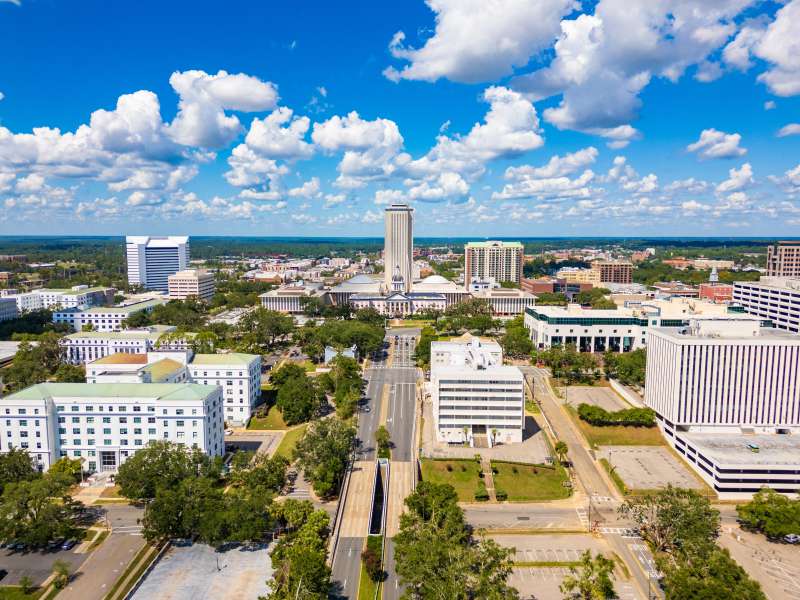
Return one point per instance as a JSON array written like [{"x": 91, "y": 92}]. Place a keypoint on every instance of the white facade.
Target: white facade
[
  {"x": 109, "y": 318},
  {"x": 727, "y": 397},
  {"x": 473, "y": 393},
  {"x": 8, "y": 309},
  {"x": 79, "y": 296},
  {"x": 507, "y": 302},
  {"x": 87, "y": 346},
  {"x": 191, "y": 283},
  {"x": 153, "y": 367},
  {"x": 398, "y": 245},
  {"x": 399, "y": 304},
  {"x": 289, "y": 298},
  {"x": 773, "y": 298},
  {"x": 152, "y": 259},
  {"x": 104, "y": 424},
  {"x": 237, "y": 375}
]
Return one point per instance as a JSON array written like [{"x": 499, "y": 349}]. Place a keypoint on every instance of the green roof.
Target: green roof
[
  {"x": 164, "y": 391},
  {"x": 233, "y": 358},
  {"x": 115, "y": 335},
  {"x": 490, "y": 243}
]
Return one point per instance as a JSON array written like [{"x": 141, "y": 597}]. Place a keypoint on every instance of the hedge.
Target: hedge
[{"x": 632, "y": 417}]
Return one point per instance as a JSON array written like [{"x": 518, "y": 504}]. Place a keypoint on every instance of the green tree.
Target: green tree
[
  {"x": 62, "y": 574},
  {"x": 298, "y": 399},
  {"x": 16, "y": 465},
  {"x": 262, "y": 328},
  {"x": 71, "y": 467},
  {"x": 516, "y": 341},
  {"x": 323, "y": 454},
  {"x": 285, "y": 372},
  {"x": 771, "y": 513},
  {"x": 67, "y": 373},
  {"x": 628, "y": 367},
  {"x": 561, "y": 450},
  {"x": 714, "y": 576},
  {"x": 163, "y": 464},
  {"x": 592, "y": 581},
  {"x": 565, "y": 362},
  {"x": 26, "y": 584},
  {"x": 383, "y": 440}
]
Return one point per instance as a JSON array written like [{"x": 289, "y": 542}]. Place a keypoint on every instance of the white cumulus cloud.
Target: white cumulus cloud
[{"x": 717, "y": 144}]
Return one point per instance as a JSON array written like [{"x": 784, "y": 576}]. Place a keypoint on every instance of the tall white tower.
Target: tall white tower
[
  {"x": 152, "y": 259},
  {"x": 398, "y": 245}
]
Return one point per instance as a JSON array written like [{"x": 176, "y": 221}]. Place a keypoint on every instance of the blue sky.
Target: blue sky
[{"x": 493, "y": 118}]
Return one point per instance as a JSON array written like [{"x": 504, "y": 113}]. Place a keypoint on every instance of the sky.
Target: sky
[{"x": 491, "y": 117}]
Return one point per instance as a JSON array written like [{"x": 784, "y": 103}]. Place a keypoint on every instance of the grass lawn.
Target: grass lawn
[
  {"x": 13, "y": 592},
  {"x": 111, "y": 492},
  {"x": 526, "y": 486},
  {"x": 289, "y": 441},
  {"x": 273, "y": 420},
  {"x": 463, "y": 475},
  {"x": 617, "y": 435}
]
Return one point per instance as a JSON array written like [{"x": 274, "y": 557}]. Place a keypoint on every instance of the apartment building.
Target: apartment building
[
  {"x": 104, "y": 424},
  {"x": 783, "y": 259},
  {"x": 576, "y": 275},
  {"x": 8, "y": 309},
  {"x": 726, "y": 393},
  {"x": 191, "y": 283},
  {"x": 152, "y": 259},
  {"x": 614, "y": 271},
  {"x": 493, "y": 259},
  {"x": 237, "y": 375},
  {"x": 476, "y": 399},
  {"x": 109, "y": 318},
  {"x": 79, "y": 296},
  {"x": 773, "y": 298}
]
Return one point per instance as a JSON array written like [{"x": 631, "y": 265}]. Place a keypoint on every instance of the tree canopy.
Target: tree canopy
[
  {"x": 771, "y": 513},
  {"x": 628, "y": 367},
  {"x": 323, "y": 453}
]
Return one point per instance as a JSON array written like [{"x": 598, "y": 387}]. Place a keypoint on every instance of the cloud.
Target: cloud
[
  {"x": 372, "y": 216},
  {"x": 717, "y": 144},
  {"x": 479, "y": 40},
  {"x": 447, "y": 185},
  {"x": 557, "y": 165},
  {"x": 31, "y": 183},
  {"x": 280, "y": 135},
  {"x": 770, "y": 105},
  {"x": 780, "y": 45},
  {"x": 550, "y": 188},
  {"x": 602, "y": 61},
  {"x": 738, "y": 179},
  {"x": 201, "y": 119},
  {"x": 389, "y": 196},
  {"x": 309, "y": 189},
  {"x": 790, "y": 129}
]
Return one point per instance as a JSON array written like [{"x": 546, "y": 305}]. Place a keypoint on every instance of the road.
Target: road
[{"x": 396, "y": 374}]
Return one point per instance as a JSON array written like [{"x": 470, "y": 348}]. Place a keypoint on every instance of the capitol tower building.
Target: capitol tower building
[{"x": 398, "y": 246}]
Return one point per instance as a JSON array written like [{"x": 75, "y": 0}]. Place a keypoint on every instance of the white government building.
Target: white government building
[
  {"x": 79, "y": 296},
  {"x": 103, "y": 318},
  {"x": 773, "y": 298},
  {"x": 237, "y": 375},
  {"x": 727, "y": 395},
  {"x": 86, "y": 346},
  {"x": 152, "y": 259},
  {"x": 104, "y": 424},
  {"x": 475, "y": 397}
]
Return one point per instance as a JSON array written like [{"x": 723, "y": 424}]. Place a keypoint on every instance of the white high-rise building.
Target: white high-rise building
[
  {"x": 726, "y": 392},
  {"x": 773, "y": 298},
  {"x": 501, "y": 261},
  {"x": 105, "y": 424},
  {"x": 398, "y": 247},
  {"x": 152, "y": 259},
  {"x": 474, "y": 394}
]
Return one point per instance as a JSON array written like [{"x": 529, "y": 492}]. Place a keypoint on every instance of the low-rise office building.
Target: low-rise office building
[
  {"x": 291, "y": 298},
  {"x": 109, "y": 318},
  {"x": 476, "y": 399},
  {"x": 191, "y": 283},
  {"x": 507, "y": 302},
  {"x": 727, "y": 397},
  {"x": 773, "y": 298},
  {"x": 104, "y": 424},
  {"x": 77, "y": 297},
  {"x": 620, "y": 330},
  {"x": 87, "y": 346}
]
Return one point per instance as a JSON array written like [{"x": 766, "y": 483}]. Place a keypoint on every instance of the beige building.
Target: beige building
[
  {"x": 612, "y": 271},
  {"x": 783, "y": 259},
  {"x": 192, "y": 283},
  {"x": 501, "y": 261},
  {"x": 398, "y": 249},
  {"x": 575, "y": 275}
]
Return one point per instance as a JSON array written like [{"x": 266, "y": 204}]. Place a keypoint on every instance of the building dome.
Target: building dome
[{"x": 434, "y": 279}]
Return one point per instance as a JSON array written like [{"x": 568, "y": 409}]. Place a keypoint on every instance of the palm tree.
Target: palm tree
[
  {"x": 561, "y": 450},
  {"x": 61, "y": 572}
]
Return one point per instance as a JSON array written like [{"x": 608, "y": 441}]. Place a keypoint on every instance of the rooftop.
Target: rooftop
[
  {"x": 733, "y": 450},
  {"x": 163, "y": 368},
  {"x": 122, "y": 358},
  {"x": 493, "y": 244},
  {"x": 233, "y": 358},
  {"x": 162, "y": 391}
]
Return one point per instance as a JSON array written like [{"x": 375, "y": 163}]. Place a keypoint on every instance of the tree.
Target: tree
[
  {"x": 437, "y": 557},
  {"x": 260, "y": 473},
  {"x": 714, "y": 576},
  {"x": 298, "y": 399},
  {"x": 16, "y": 465},
  {"x": 67, "y": 373},
  {"x": 383, "y": 440},
  {"x": 262, "y": 328},
  {"x": 285, "y": 372},
  {"x": 71, "y": 467},
  {"x": 628, "y": 367},
  {"x": 26, "y": 584},
  {"x": 565, "y": 362},
  {"x": 163, "y": 464},
  {"x": 372, "y": 563},
  {"x": 771, "y": 513},
  {"x": 516, "y": 342},
  {"x": 323, "y": 453},
  {"x": 561, "y": 450},
  {"x": 674, "y": 520},
  {"x": 38, "y": 510},
  {"x": 422, "y": 351},
  {"x": 592, "y": 581},
  {"x": 61, "y": 572}
]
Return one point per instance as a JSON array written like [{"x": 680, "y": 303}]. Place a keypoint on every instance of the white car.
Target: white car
[{"x": 229, "y": 432}]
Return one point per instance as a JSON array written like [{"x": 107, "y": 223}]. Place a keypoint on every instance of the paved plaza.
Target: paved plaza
[
  {"x": 649, "y": 467},
  {"x": 197, "y": 572}
]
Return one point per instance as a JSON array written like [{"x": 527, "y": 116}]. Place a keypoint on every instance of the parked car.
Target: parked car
[
  {"x": 367, "y": 409},
  {"x": 229, "y": 432},
  {"x": 69, "y": 544},
  {"x": 17, "y": 546},
  {"x": 791, "y": 538},
  {"x": 55, "y": 544}
]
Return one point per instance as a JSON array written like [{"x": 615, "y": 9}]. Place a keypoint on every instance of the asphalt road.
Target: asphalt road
[
  {"x": 392, "y": 590},
  {"x": 347, "y": 568}
]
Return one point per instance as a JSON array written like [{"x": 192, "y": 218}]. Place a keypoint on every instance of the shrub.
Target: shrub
[
  {"x": 481, "y": 494},
  {"x": 631, "y": 417},
  {"x": 514, "y": 470},
  {"x": 449, "y": 468},
  {"x": 372, "y": 564},
  {"x": 463, "y": 469},
  {"x": 500, "y": 494}
]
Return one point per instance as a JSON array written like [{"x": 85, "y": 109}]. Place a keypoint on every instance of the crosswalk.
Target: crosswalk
[
  {"x": 624, "y": 532},
  {"x": 128, "y": 529}
]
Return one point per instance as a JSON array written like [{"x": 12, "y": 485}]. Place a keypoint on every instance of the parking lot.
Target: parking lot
[
  {"x": 775, "y": 566},
  {"x": 649, "y": 467},
  {"x": 604, "y": 397},
  {"x": 36, "y": 565},
  {"x": 197, "y": 572}
]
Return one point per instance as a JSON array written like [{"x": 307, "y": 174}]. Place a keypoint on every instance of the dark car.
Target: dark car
[
  {"x": 17, "y": 546},
  {"x": 55, "y": 544},
  {"x": 68, "y": 545}
]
